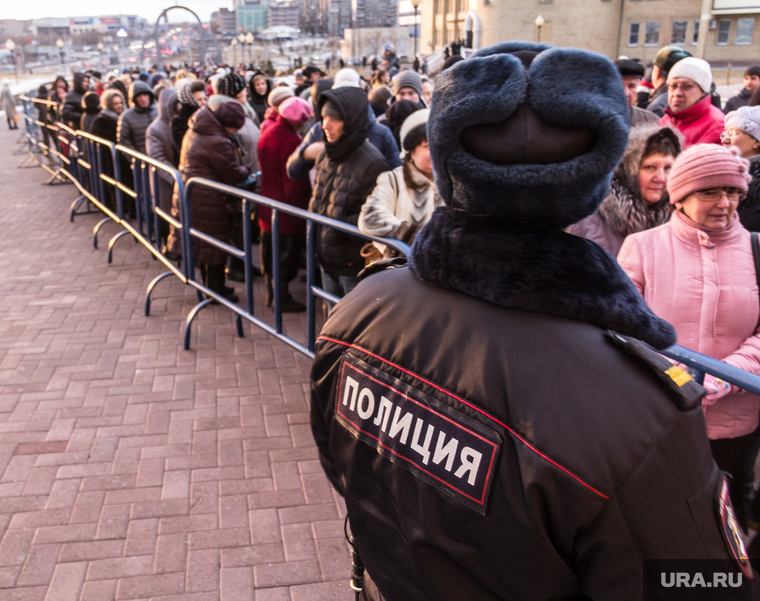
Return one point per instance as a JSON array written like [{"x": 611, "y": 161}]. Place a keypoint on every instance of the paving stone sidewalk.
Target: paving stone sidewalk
[{"x": 131, "y": 468}]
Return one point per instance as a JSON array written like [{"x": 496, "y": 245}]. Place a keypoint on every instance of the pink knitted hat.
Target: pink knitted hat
[
  {"x": 705, "y": 166},
  {"x": 296, "y": 111}
]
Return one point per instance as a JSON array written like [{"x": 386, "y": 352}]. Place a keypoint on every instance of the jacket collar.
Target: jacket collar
[
  {"x": 694, "y": 234},
  {"x": 692, "y": 114},
  {"x": 525, "y": 266}
]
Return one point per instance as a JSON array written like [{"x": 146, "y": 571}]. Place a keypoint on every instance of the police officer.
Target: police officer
[{"x": 490, "y": 414}]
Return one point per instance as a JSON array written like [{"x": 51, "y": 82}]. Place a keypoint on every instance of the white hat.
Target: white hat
[
  {"x": 747, "y": 119},
  {"x": 346, "y": 78},
  {"x": 417, "y": 118},
  {"x": 696, "y": 69}
]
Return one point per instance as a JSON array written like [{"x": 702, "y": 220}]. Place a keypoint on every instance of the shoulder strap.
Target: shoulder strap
[{"x": 756, "y": 255}]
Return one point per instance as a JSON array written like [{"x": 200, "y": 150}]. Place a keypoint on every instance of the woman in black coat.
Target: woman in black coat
[
  {"x": 258, "y": 93},
  {"x": 104, "y": 126}
]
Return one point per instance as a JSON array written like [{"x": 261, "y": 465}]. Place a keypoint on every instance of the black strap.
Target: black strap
[{"x": 756, "y": 255}]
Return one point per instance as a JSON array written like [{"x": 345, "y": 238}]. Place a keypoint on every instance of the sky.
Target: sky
[{"x": 149, "y": 9}]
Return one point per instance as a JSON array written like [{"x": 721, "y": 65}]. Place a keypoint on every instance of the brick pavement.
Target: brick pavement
[{"x": 131, "y": 468}]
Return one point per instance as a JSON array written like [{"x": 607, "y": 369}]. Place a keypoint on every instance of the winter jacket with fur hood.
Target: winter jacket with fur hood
[
  {"x": 207, "y": 151},
  {"x": 749, "y": 208},
  {"x": 160, "y": 145},
  {"x": 134, "y": 122},
  {"x": 624, "y": 211},
  {"x": 703, "y": 282},
  {"x": 346, "y": 173},
  {"x": 701, "y": 123},
  {"x": 491, "y": 349}
]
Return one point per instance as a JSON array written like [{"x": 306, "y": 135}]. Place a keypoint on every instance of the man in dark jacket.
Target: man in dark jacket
[
  {"x": 72, "y": 106},
  {"x": 91, "y": 105},
  {"x": 488, "y": 415},
  {"x": 346, "y": 173},
  {"x": 751, "y": 80},
  {"x": 134, "y": 122}
]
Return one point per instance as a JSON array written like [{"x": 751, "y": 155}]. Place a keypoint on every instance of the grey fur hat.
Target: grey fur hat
[{"x": 574, "y": 101}]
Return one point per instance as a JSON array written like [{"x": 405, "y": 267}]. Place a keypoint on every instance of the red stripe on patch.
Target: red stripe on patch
[{"x": 478, "y": 409}]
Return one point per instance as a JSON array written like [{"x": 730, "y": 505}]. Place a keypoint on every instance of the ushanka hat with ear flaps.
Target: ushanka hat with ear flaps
[{"x": 524, "y": 139}]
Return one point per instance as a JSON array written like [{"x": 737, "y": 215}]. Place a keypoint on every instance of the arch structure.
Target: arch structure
[
  {"x": 472, "y": 33},
  {"x": 201, "y": 29}
]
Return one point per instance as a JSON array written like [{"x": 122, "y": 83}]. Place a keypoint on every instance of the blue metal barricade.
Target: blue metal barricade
[
  {"x": 148, "y": 214},
  {"x": 312, "y": 290}
]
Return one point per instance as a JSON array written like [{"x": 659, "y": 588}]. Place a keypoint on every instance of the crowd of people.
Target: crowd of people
[{"x": 677, "y": 213}]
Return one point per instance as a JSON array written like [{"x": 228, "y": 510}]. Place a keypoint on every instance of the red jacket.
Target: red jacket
[
  {"x": 276, "y": 144},
  {"x": 701, "y": 123}
]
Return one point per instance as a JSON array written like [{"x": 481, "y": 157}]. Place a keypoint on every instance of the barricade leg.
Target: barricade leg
[
  {"x": 191, "y": 317},
  {"x": 113, "y": 241},
  {"x": 151, "y": 286},
  {"x": 96, "y": 229}
]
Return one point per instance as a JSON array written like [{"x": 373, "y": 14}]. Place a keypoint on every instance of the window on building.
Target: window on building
[
  {"x": 724, "y": 28},
  {"x": 678, "y": 33},
  {"x": 633, "y": 34},
  {"x": 695, "y": 33},
  {"x": 744, "y": 30},
  {"x": 652, "y": 34}
]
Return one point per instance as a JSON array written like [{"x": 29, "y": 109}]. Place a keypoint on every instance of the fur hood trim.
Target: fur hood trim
[
  {"x": 627, "y": 172},
  {"x": 565, "y": 87},
  {"x": 627, "y": 213},
  {"x": 534, "y": 268}
]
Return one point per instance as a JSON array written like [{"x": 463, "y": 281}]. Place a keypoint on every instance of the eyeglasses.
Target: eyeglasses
[
  {"x": 685, "y": 87},
  {"x": 731, "y": 133},
  {"x": 716, "y": 194}
]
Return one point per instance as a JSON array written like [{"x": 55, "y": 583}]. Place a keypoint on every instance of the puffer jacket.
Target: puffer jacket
[
  {"x": 624, "y": 211},
  {"x": 72, "y": 110},
  {"x": 160, "y": 145},
  {"x": 134, "y": 122},
  {"x": 346, "y": 172},
  {"x": 703, "y": 282},
  {"x": 207, "y": 151},
  {"x": 701, "y": 123}
]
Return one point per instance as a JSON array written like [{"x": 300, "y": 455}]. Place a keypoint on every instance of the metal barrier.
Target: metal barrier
[
  {"x": 81, "y": 159},
  {"x": 312, "y": 290}
]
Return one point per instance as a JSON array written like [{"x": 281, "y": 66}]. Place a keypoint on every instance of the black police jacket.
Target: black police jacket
[{"x": 495, "y": 453}]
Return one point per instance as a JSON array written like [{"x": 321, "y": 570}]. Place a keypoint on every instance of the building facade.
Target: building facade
[
  {"x": 252, "y": 17},
  {"x": 77, "y": 25},
  {"x": 358, "y": 43},
  {"x": 223, "y": 21},
  {"x": 719, "y": 31},
  {"x": 284, "y": 13},
  {"x": 10, "y": 28}
]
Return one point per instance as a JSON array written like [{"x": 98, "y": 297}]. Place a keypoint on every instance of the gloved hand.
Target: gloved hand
[{"x": 716, "y": 389}]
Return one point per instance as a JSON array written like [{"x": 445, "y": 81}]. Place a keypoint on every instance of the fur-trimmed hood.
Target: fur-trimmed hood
[{"x": 627, "y": 172}]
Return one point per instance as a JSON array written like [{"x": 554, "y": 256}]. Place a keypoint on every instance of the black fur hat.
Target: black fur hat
[{"x": 574, "y": 98}]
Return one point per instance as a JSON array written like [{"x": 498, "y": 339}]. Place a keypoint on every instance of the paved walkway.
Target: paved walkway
[{"x": 131, "y": 468}]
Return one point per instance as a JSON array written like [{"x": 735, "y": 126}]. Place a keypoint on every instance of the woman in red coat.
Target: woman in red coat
[{"x": 276, "y": 144}]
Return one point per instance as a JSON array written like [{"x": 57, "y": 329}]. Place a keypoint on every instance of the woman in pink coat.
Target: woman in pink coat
[{"x": 697, "y": 271}]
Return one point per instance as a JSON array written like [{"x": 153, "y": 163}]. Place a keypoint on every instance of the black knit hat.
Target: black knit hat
[{"x": 231, "y": 85}]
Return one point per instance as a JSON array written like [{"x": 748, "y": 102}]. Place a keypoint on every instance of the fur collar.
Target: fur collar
[
  {"x": 526, "y": 266},
  {"x": 627, "y": 213}
]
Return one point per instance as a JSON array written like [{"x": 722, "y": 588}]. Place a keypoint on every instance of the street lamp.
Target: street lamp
[
  {"x": 233, "y": 43},
  {"x": 59, "y": 43},
  {"x": 416, "y": 5},
  {"x": 11, "y": 45},
  {"x": 539, "y": 24},
  {"x": 241, "y": 39},
  {"x": 249, "y": 41}
]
